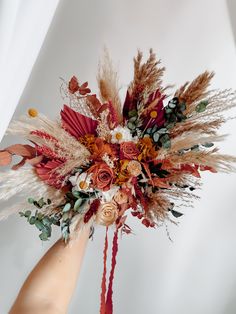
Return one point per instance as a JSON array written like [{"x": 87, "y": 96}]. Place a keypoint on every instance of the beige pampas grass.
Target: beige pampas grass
[
  {"x": 147, "y": 76},
  {"x": 108, "y": 84},
  {"x": 25, "y": 182},
  {"x": 206, "y": 127},
  {"x": 218, "y": 102},
  {"x": 189, "y": 139},
  {"x": 194, "y": 91},
  {"x": 219, "y": 162}
]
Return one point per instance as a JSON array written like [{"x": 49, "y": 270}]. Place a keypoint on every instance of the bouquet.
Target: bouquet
[{"x": 102, "y": 161}]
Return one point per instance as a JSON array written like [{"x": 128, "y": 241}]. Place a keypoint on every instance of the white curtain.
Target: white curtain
[{"x": 23, "y": 27}]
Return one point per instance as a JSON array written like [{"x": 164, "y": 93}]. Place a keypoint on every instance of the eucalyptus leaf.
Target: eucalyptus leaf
[
  {"x": 201, "y": 106},
  {"x": 43, "y": 236},
  {"x": 55, "y": 220},
  {"x": 154, "y": 128},
  {"x": 46, "y": 221},
  {"x": 162, "y": 131},
  {"x": 41, "y": 202},
  {"x": 32, "y": 220},
  {"x": 66, "y": 208},
  {"x": 195, "y": 148},
  {"x": 30, "y": 200},
  {"x": 170, "y": 126},
  {"x": 171, "y": 105},
  {"x": 208, "y": 145},
  {"x": 168, "y": 110},
  {"x": 78, "y": 203},
  {"x": 39, "y": 216},
  {"x": 132, "y": 113},
  {"x": 131, "y": 126},
  {"x": 182, "y": 107},
  {"x": 39, "y": 225},
  {"x": 176, "y": 214},
  {"x": 133, "y": 119},
  {"x": 27, "y": 213},
  {"x": 156, "y": 137},
  {"x": 76, "y": 194},
  {"x": 65, "y": 216}
]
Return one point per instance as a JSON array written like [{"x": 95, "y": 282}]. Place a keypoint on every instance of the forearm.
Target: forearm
[{"x": 52, "y": 281}]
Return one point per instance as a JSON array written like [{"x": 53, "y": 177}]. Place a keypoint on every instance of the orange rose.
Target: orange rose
[
  {"x": 102, "y": 176},
  {"x": 107, "y": 214},
  {"x": 128, "y": 150}
]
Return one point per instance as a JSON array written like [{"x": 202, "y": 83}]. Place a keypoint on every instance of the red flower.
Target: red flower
[
  {"x": 102, "y": 176},
  {"x": 128, "y": 150}
]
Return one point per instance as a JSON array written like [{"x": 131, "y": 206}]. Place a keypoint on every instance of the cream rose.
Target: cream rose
[
  {"x": 121, "y": 197},
  {"x": 107, "y": 213},
  {"x": 134, "y": 168}
]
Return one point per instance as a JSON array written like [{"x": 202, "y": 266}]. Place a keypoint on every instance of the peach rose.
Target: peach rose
[
  {"x": 128, "y": 150},
  {"x": 134, "y": 168},
  {"x": 121, "y": 197},
  {"x": 107, "y": 213},
  {"x": 102, "y": 176}
]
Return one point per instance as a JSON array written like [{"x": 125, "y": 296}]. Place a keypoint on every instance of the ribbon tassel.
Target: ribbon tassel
[{"x": 107, "y": 303}]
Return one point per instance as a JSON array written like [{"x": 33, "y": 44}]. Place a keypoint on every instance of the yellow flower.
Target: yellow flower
[
  {"x": 32, "y": 112},
  {"x": 153, "y": 114}
]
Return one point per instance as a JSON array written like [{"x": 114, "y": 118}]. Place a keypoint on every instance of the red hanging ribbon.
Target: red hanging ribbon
[
  {"x": 109, "y": 303},
  {"x": 103, "y": 285},
  {"x": 106, "y": 303}
]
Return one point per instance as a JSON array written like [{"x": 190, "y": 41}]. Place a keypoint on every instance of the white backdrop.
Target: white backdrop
[{"x": 196, "y": 274}]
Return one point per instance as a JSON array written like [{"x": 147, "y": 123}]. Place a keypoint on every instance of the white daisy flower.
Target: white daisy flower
[
  {"x": 121, "y": 134},
  {"x": 81, "y": 182}
]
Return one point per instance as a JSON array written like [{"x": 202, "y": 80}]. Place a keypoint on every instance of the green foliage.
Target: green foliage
[
  {"x": 65, "y": 229},
  {"x": 42, "y": 222},
  {"x": 78, "y": 204},
  {"x": 174, "y": 112},
  {"x": 201, "y": 107},
  {"x": 176, "y": 214},
  {"x": 73, "y": 205},
  {"x": 208, "y": 145},
  {"x": 66, "y": 208}
]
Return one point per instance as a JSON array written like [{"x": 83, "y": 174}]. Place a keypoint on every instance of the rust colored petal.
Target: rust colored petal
[
  {"x": 5, "y": 158},
  {"x": 21, "y": 150},
  {"x": 76, "y": 123}
]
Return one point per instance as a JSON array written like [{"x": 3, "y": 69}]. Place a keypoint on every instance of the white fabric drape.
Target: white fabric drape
[{"x": 23, "y": 27}]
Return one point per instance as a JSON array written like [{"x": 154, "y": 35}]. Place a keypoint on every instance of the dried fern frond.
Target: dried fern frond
[
  {"x": 194, "y": 91},
  {"x": 108, "y": 84},
  {"x": 147, "y": 76}
]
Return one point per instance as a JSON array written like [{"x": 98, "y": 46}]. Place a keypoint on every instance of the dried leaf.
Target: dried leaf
[
  {"x": 20, "y": 164},
  {"x": 5, "y": 158},
  {"x": 20, "y": 150}
]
